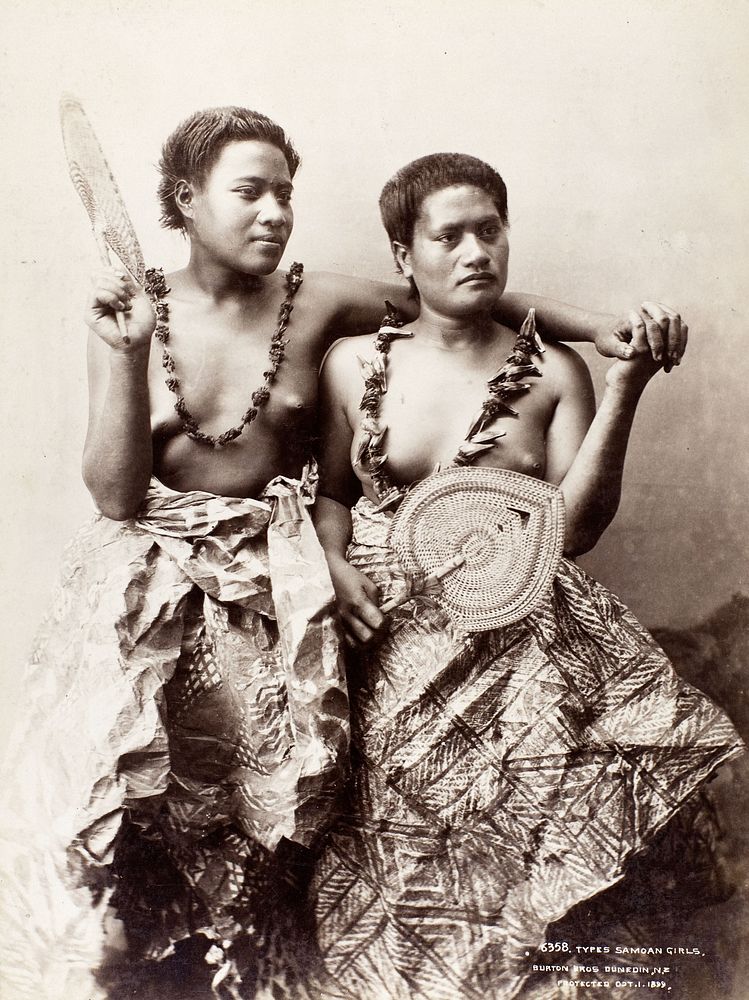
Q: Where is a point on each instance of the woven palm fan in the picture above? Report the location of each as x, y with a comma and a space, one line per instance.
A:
493, 537
99, 193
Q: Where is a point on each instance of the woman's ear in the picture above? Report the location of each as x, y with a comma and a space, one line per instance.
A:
183, 198
402, 256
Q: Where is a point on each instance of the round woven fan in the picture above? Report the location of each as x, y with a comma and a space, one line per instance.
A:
501, 532
99, 193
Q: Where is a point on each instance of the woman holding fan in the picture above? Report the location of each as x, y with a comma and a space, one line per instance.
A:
188, 698
503, 773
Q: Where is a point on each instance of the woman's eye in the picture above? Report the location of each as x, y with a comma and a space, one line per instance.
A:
446, 238
249, 193
283, 197
490, 231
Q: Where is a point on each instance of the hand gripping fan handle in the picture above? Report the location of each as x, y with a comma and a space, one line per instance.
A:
101, 243
428, 584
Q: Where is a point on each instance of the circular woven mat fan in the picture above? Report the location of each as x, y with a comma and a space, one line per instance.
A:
505, 529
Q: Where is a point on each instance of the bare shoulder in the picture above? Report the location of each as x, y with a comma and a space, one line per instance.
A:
342, 357
564, 370
340, 373
324, 297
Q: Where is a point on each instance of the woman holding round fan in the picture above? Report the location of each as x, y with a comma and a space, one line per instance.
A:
190, 718
512, 752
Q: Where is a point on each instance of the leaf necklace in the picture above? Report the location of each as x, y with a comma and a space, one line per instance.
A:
156, 287
505, 384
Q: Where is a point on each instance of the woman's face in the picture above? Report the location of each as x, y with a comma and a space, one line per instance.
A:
241, 214
459, 252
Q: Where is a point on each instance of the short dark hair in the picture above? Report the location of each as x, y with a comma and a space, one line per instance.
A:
404, 194
194, 146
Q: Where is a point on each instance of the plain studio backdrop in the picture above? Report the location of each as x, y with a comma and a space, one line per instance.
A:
620, 128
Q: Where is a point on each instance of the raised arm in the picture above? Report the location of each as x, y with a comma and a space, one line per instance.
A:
358, 305
589, 465
118, 458
356, 595
652, 329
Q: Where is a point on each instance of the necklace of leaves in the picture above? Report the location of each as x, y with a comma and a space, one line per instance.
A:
156, 287
502, 386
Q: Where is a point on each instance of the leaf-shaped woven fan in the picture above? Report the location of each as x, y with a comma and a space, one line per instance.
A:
99, 193
495, 538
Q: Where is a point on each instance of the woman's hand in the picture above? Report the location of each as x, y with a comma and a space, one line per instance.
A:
631, 377
653, 329
113, 293
357, 597
656, 329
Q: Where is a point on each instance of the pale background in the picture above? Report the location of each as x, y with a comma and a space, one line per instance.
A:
620, 128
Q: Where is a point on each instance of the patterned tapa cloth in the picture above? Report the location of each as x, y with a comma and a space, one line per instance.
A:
188, 721
500, 778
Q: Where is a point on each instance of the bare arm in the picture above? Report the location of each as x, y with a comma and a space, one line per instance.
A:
359, 305
652, 329
356, 595
589, 465
118, 457
561, 321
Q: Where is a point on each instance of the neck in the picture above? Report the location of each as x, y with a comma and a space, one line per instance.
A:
217, 281
454, 333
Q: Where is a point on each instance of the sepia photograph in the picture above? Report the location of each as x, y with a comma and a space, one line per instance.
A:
374, 535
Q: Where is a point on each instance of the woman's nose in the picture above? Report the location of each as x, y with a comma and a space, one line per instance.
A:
270, 211
473, 251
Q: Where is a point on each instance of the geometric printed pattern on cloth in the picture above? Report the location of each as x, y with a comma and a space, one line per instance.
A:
499, 779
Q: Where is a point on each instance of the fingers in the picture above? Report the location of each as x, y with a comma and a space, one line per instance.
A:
638, 332
654, 336
358, 606
119, 311
113, 289
363, 621
667, 333
114, 299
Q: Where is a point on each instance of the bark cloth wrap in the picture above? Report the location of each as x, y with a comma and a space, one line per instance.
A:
186, 691
500, 779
